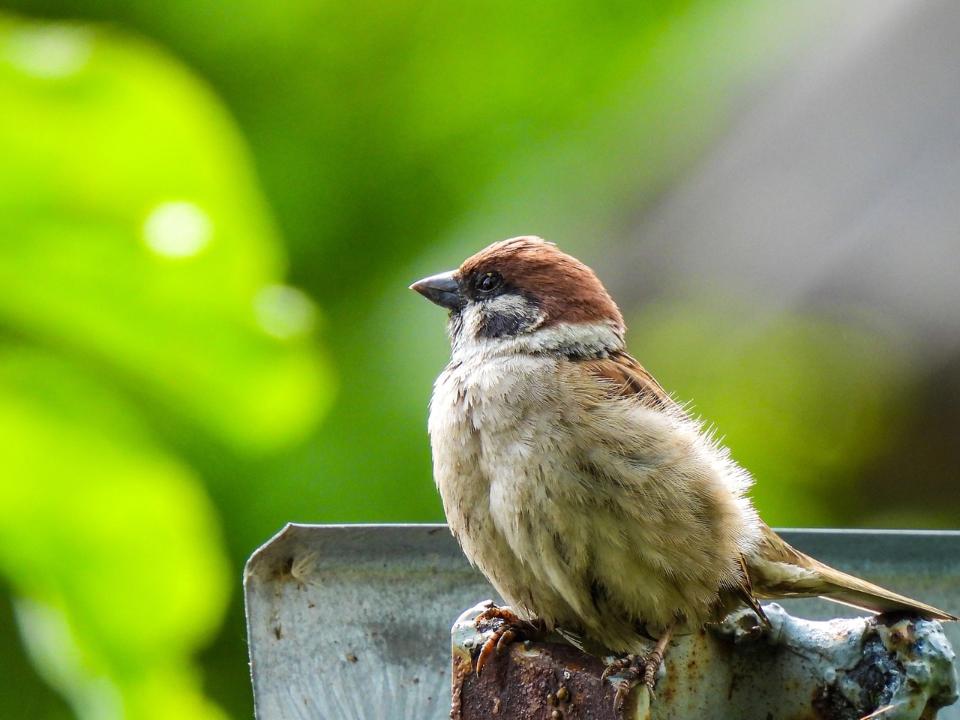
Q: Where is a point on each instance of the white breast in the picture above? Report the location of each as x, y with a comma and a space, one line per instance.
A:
487, 418
484, 417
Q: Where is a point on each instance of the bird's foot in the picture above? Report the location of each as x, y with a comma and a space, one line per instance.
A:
507, 628
627, 672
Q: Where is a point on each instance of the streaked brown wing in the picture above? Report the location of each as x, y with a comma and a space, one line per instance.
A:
628, 378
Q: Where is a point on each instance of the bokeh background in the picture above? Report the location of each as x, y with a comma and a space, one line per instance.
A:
210, 212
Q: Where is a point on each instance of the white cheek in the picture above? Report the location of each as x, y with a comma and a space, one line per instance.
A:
472, 320
510, 304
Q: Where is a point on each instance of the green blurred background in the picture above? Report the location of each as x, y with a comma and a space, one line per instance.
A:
210, 212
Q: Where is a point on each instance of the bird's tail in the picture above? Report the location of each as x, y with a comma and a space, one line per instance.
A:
777, 570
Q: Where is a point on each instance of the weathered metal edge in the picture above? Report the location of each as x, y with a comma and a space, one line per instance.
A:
806, 539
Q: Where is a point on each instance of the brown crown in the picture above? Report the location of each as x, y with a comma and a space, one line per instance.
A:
567, 290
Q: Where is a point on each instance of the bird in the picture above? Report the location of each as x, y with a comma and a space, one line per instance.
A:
593, 502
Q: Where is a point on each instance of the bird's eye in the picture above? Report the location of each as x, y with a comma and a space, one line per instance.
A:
488, 282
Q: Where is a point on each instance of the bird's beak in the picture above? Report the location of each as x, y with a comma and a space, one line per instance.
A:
442, 289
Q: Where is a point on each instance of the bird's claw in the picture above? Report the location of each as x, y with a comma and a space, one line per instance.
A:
496, 643
495, 612
616, 665
507, 628
506, 637
626, 673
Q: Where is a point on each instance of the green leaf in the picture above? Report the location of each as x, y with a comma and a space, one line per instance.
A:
141, 281
132, 233
110, 541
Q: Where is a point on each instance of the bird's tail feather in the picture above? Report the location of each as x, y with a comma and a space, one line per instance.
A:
779, 571
850, 590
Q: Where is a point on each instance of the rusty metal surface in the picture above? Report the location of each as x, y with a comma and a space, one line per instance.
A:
531, 679
826, 670
353, 622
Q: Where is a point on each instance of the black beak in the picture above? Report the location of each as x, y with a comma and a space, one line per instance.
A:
442, 289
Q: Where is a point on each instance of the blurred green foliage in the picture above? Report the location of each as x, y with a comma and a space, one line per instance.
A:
140, 281
763, 385
164, 400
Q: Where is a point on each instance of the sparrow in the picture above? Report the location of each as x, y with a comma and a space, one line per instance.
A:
593, 502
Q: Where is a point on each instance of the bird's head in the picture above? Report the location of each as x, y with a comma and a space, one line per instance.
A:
524, 294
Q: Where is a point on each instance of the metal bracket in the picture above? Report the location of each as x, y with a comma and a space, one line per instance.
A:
353, 622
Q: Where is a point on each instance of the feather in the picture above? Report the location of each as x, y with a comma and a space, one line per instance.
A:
778, 570
628, 378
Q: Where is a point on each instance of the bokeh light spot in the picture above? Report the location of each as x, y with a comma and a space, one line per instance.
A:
283, 311
53, 51
177, 230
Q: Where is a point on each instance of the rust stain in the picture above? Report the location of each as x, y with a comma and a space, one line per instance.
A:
462, 668
535, 681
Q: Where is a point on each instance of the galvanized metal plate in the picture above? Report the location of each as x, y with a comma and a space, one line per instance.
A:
353, 622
